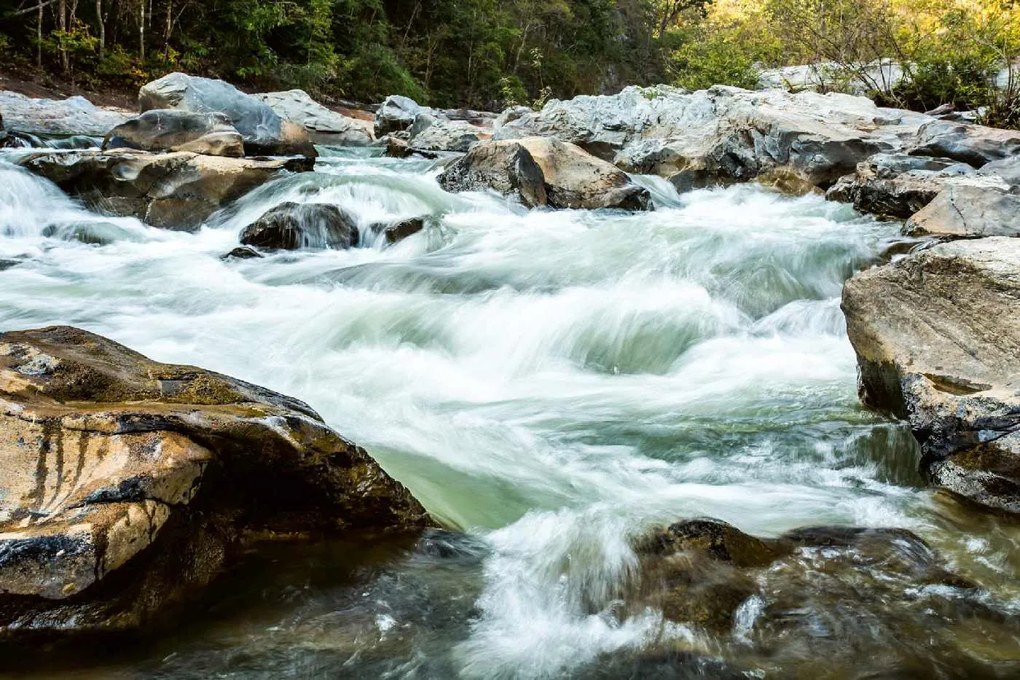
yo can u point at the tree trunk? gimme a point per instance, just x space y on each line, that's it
62 24
38 37
141 30
102 29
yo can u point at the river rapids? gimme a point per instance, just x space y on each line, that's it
550 385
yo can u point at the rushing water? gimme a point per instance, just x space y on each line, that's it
552 384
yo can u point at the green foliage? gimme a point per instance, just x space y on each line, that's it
713 60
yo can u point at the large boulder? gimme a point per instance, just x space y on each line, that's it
724 134
292 226
937 336
429 133
541 171
396 114
263 130
178 190
976 145
129 484
963 211
323 125
210 134
897 185
71 116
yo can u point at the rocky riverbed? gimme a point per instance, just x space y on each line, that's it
567 336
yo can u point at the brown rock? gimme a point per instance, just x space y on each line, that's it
176 190
127 484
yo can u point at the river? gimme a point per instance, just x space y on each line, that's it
550 385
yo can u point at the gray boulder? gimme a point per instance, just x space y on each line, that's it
429 133
323 125
71 116
937 336
724 134
965 211
397 113
264 132
976 145
210 134
540 171
897 185
178 190
293 226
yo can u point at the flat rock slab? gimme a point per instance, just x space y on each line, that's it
71 116
127 483
937 337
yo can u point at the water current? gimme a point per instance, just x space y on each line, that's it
550 385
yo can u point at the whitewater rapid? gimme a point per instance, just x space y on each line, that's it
551 383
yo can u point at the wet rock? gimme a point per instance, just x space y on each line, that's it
323 125
71 116
397 147
243 253
264 132
176 190
128 484
723 134
398 231
545 172
712 576
937 338
976 145
210 134
290 226
968 212
897 185
397 113
429 133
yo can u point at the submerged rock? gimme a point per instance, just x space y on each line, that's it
210 134
128 483
178 190
323 125
398 231
71 116
715 578
242 253
290 226
542 171
264 132
937 336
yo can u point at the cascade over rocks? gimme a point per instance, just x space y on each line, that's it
291 226
723 134
323 125
937 336
263 130
128 484
542 171
178 190
210 134
71 116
